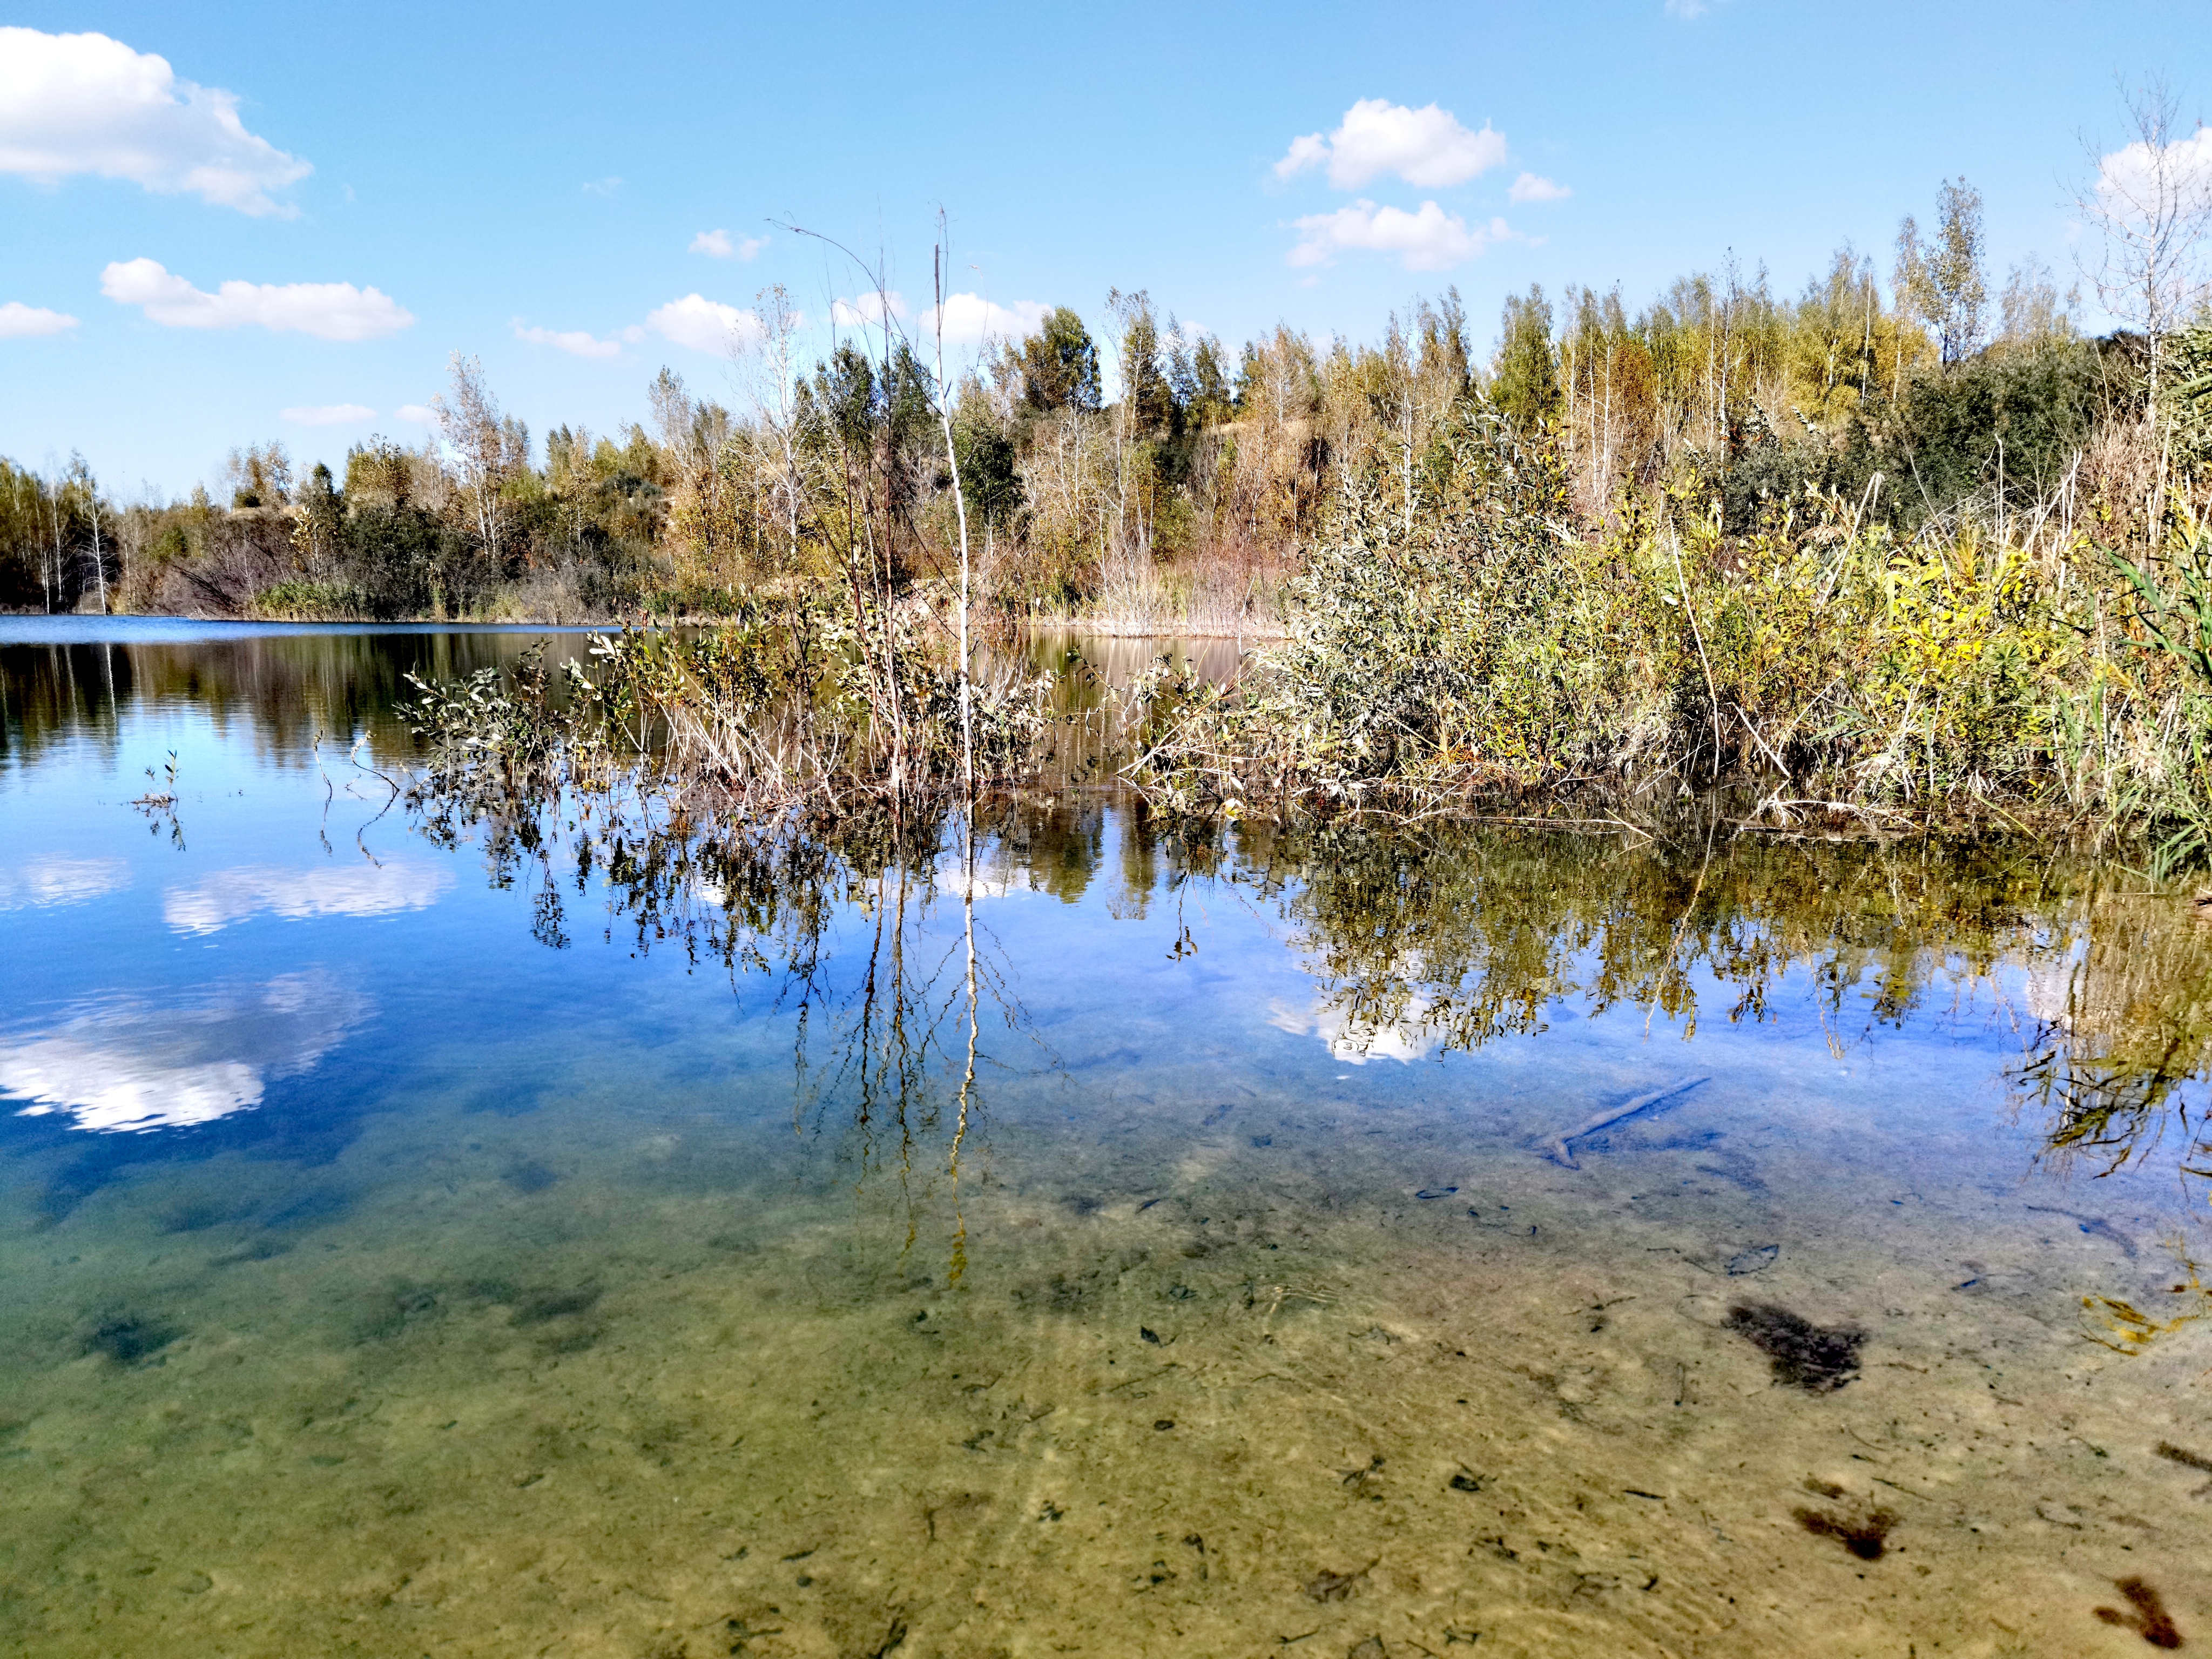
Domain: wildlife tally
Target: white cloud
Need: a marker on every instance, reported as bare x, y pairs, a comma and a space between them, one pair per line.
123, 1065
84, 103
576, 341
329, 414
1687, 9
705, 324
329, 310
2128, 175
56, 879
971, 319
1429, 239
20, 322
717, 244
1531, 187
603, 186
868, 310
369, 889
420, 414
1427, 147
1310, 151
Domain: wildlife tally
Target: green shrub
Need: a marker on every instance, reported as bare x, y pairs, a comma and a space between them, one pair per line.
1485, 652
306, 601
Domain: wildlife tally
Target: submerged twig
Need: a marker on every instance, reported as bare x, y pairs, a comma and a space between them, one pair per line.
1559, 1148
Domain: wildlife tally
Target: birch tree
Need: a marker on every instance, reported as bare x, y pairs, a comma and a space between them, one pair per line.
1942, 281
477, 444
770, 362
2150, 202
84, 484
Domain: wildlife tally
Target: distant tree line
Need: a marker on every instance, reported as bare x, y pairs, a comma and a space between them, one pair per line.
1190, 492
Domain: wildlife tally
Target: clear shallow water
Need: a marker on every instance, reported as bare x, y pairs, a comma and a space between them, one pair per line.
415, 1243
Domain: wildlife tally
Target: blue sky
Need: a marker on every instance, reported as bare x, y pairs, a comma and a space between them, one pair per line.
504, 175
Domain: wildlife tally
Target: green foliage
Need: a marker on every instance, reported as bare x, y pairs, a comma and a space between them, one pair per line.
2027, 413
1201, 384
2003, 428
1418, 659
792, 708
1942, 281
990, 469
694, 600
2187, 394
1059, 365
492, 741
1526, 383
259, 475
2174, 595
1147, 395
58, 537
306, 601
381, 473
2175, 592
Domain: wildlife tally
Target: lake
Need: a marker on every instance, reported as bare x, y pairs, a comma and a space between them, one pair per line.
594, 1233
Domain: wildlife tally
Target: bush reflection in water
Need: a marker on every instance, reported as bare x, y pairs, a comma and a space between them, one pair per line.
1447, 935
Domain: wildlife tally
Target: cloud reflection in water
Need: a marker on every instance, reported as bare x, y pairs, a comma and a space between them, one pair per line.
126, 1065
56, 880
366, 889
1354, 1041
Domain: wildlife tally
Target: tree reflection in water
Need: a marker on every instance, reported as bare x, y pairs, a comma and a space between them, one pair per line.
1467, 933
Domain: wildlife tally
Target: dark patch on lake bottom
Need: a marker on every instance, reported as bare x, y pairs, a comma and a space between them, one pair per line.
1817, 1358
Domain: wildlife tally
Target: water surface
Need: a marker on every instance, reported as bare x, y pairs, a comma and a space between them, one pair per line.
566, 1235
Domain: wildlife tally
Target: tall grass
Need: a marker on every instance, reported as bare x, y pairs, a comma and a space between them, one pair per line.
787, 711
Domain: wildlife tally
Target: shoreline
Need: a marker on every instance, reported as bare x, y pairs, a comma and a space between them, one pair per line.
1116, 626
